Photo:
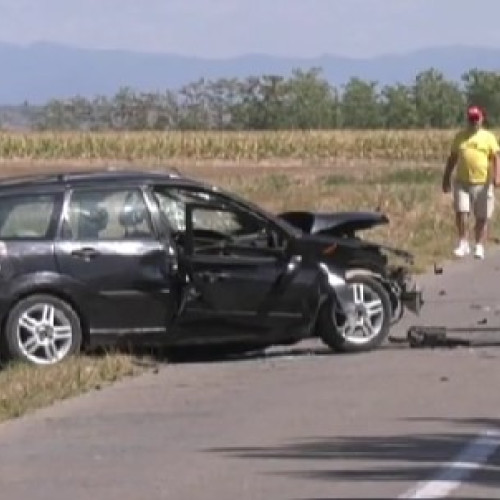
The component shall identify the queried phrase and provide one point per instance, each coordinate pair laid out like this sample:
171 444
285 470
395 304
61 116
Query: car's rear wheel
43 330
373 314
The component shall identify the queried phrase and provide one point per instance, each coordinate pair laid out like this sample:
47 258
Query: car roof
101 176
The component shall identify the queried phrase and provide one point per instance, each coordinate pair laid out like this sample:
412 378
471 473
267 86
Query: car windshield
173 203
173 200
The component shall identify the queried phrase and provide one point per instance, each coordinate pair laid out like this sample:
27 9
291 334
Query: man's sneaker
479 251
462 249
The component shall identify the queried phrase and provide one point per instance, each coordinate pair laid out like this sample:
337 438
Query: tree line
304 100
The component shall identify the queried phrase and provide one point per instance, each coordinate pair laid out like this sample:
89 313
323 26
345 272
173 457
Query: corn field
417 145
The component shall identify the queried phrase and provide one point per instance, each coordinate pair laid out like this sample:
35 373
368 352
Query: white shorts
481 197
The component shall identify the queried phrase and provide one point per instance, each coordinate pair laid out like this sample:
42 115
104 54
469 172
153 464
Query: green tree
262 103
482 88
311 103
360 105
223 96
398 107
194 110
60 115
439 102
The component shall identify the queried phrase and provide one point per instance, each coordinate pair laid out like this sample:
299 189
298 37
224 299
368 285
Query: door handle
86 253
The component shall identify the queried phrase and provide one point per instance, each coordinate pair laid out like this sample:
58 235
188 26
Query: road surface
299 423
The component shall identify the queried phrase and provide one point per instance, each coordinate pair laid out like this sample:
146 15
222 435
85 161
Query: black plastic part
437 336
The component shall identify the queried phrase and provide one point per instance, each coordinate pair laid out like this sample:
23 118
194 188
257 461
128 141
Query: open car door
241 283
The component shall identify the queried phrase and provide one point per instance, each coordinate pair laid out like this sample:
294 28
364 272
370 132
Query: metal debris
437 269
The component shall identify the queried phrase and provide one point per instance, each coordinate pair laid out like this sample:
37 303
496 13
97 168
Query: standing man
475 152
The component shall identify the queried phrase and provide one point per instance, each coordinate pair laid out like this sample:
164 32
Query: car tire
42 329
374 321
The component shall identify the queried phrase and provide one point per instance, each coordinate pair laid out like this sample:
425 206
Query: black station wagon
97 257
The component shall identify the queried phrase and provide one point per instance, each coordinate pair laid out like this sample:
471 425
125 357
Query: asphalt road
296 424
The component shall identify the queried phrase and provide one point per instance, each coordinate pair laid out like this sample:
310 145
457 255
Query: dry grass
24 388
421 221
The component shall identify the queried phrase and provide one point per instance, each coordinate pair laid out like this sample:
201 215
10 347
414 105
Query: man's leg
480 231
484 204
461 222
480 236
462 209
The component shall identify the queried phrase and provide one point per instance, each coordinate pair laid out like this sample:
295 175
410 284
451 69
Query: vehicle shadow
204 354
160 354
398 457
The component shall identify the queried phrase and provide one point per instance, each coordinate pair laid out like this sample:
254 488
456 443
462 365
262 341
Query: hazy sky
221 28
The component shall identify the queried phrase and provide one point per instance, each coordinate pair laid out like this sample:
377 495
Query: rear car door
109 249
240 281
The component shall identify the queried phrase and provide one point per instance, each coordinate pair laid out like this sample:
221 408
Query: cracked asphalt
299 423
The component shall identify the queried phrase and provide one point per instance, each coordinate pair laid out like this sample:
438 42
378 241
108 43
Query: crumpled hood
341 225
334 223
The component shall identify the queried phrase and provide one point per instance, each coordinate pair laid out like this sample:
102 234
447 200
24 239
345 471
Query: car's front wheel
42 330
372 320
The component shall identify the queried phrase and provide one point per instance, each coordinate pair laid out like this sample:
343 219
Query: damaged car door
240 282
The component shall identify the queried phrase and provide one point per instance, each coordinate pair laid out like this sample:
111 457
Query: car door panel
128 283
124 272
252 288
254 298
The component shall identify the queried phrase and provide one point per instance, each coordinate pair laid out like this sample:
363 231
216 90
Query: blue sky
224 28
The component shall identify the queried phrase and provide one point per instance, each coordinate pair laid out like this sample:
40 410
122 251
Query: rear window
26 216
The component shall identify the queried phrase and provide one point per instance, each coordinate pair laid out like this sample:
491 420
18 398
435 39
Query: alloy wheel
44 334
369 315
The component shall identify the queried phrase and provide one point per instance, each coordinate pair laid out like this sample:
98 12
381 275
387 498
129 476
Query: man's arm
495 174
448 170
495 151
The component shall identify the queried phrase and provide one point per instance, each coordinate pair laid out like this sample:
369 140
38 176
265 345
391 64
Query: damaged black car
97 258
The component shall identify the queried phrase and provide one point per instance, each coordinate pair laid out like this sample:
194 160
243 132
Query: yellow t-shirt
474 149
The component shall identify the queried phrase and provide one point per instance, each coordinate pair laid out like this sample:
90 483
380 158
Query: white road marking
452 475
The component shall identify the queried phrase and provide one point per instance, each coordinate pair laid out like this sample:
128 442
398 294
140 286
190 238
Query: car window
107 215
173 202
226 223
26 216
216 220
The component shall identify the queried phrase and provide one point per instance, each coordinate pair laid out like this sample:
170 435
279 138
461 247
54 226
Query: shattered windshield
173 203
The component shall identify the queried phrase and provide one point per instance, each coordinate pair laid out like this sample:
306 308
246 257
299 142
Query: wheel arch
373 272
356 271
380 276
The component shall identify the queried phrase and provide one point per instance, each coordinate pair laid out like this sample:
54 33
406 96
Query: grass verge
24 388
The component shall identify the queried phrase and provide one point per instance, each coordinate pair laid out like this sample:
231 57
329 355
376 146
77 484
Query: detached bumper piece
437 336
432 336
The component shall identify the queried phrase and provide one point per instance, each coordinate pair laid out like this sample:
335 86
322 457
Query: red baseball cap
474 113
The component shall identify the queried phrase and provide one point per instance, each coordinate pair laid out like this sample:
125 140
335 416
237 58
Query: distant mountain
41 71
